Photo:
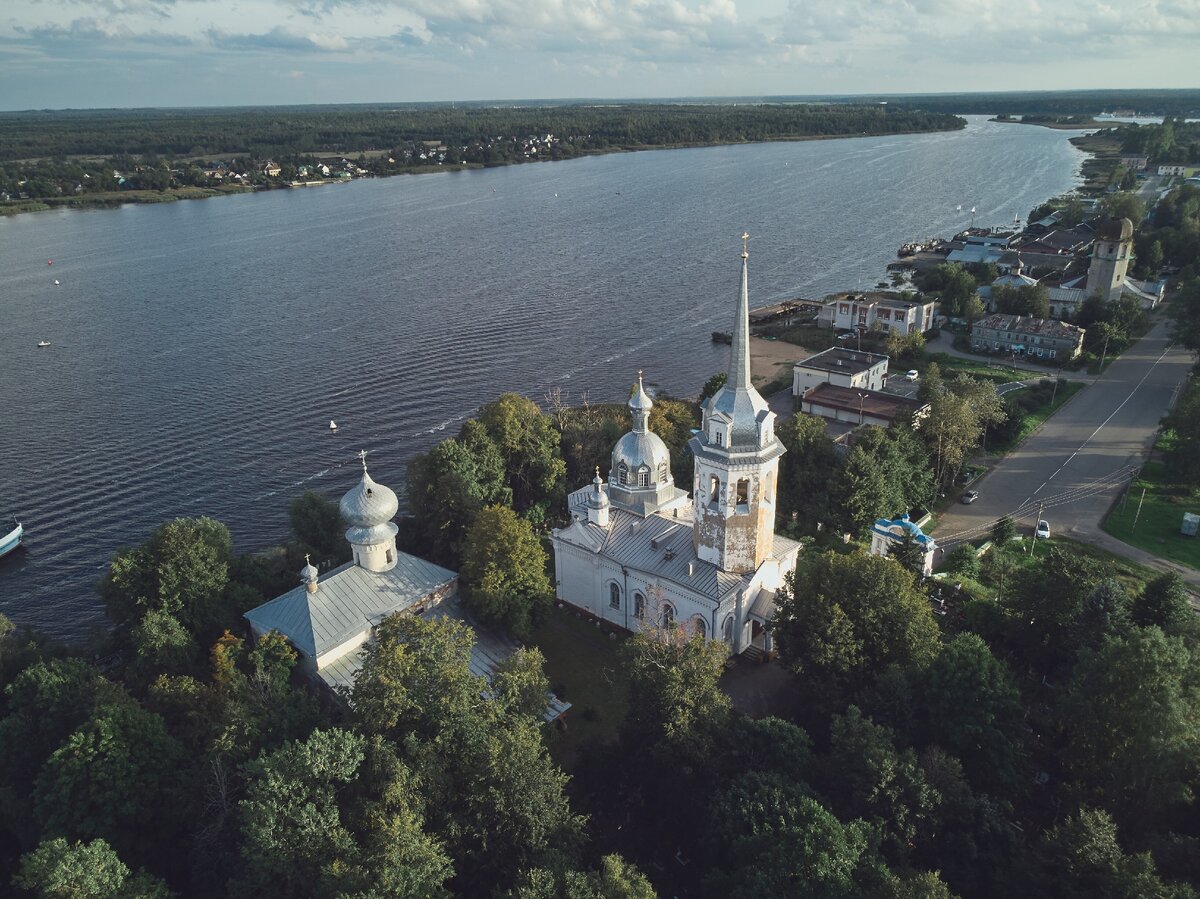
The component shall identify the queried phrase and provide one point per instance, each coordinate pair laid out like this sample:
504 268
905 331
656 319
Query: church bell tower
737 462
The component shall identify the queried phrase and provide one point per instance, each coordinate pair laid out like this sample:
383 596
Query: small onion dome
1115 229
640 400
368 510
598 498
308 576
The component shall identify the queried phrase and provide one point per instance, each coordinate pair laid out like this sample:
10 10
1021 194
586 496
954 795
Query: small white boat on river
11 540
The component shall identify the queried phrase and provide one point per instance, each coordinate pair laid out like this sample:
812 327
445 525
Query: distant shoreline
116 199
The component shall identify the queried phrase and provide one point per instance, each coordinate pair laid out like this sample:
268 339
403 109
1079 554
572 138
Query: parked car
970 496
1043 530
911 375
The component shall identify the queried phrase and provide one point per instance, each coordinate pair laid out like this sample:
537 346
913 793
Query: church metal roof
348 600
660 544
488 650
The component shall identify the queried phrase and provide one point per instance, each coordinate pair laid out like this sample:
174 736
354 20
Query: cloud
278 38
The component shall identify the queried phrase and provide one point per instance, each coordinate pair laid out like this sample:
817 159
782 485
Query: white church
640 552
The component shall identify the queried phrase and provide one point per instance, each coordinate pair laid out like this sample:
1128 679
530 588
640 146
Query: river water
200 348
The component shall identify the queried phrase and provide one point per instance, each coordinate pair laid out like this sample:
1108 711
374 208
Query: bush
1003 531
964 561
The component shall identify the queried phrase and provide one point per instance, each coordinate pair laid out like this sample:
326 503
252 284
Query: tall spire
739 362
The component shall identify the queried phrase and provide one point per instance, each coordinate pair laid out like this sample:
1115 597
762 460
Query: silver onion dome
368 510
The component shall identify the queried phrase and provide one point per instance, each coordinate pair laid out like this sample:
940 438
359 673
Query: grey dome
368 505
641 448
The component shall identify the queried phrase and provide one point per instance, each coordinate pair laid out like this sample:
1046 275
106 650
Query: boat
11 540
56 282
332 425
43 343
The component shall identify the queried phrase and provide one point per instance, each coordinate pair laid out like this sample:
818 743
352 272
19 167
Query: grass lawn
1157 529
955 365
585 669
1133 577
1037 415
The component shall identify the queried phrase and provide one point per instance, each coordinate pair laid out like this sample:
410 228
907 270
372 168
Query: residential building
1042 338
860 406
1172 169
841 367
876 309
271 169
1135 163
641 553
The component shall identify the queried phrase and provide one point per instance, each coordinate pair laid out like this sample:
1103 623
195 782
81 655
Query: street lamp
861 398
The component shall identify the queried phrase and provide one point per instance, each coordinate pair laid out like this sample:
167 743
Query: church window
743 494
639 606
714 490
662 471
623 474
668 615
390 558
699 626
727 630
769 488
614 596
643 477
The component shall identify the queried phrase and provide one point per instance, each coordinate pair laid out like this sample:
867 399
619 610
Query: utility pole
1103 353
1035 527
1057 378
1138 513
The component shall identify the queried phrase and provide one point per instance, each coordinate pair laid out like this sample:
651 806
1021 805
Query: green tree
769 837
859 495
182 569
931 383
1133 716
1124 205
58 869
1082 858
447 488
713 384
504 571
291 823
529 444
616 879
1047 603
1026 299
973 309
869 778
317 523
1104 613
161 645
1164 603
963 561
520 684
843 618
805 471
116 777
1003 531
972 709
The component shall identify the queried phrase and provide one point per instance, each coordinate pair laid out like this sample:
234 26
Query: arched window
727 630
769 488
622 474
699 626
614 596
662 471
714 490
668 615
643 477
743 494
639 606
390 557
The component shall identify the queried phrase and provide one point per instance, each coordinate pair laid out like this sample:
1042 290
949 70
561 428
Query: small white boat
332 425
56 282
11 540
43 343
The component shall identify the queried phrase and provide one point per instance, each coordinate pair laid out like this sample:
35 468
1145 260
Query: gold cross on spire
745 238
306 561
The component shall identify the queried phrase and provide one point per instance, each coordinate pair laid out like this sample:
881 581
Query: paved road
1081 458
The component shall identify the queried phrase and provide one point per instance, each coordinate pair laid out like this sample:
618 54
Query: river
199 349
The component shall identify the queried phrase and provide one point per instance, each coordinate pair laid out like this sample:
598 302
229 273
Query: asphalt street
1075 465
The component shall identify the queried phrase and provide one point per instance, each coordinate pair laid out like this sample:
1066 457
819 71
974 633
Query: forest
267 132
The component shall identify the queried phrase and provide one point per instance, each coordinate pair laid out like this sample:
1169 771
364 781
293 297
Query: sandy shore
768 356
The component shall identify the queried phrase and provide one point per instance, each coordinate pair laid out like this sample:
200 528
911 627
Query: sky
132 53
